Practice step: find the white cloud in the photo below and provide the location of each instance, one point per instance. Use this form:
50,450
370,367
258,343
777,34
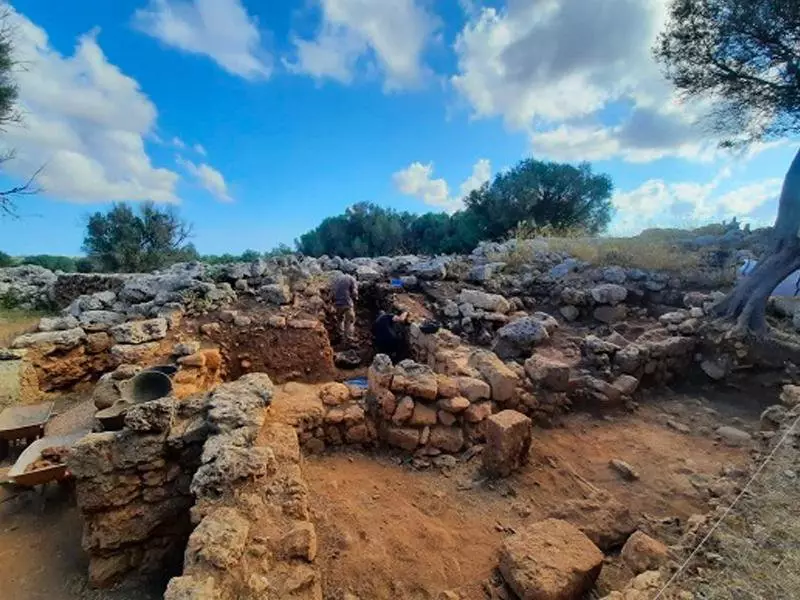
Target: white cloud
200,149
551,66
219,29
355,33
417,180
208,177
481,173
657,203
178,143
85,121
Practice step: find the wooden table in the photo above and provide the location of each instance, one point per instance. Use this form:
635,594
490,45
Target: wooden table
23,422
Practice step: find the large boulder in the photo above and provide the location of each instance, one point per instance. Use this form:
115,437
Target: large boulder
602,518
485,301
550,560
520,337
100,320
609,293
140,332
415,379
64,339
547,371
502,380
435,268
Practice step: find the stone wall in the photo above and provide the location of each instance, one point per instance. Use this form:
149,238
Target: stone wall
133,488
253,538
69,286
209,483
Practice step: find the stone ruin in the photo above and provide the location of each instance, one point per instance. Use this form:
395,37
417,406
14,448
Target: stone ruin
208,482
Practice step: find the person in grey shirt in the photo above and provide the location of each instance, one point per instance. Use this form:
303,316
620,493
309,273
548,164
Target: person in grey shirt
345,294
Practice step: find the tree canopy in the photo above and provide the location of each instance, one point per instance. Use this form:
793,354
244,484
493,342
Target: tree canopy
743,56
535,193
542,194
122,240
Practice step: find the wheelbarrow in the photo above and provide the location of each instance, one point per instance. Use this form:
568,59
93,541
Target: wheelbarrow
18,473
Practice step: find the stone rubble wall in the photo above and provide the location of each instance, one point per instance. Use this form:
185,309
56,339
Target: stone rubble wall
208,483
133,488
253,536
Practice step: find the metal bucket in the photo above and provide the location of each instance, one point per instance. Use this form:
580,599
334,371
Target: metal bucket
149,385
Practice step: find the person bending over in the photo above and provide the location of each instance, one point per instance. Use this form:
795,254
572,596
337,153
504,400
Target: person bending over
389,335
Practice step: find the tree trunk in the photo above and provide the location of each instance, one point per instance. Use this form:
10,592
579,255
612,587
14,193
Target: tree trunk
747,303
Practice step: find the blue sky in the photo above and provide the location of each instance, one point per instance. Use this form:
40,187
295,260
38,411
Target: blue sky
259,119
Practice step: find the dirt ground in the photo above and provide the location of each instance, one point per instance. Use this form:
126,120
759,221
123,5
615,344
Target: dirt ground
388,531
40,530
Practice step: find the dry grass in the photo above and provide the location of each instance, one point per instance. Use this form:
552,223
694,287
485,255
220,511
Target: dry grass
755,553
636,252
16,322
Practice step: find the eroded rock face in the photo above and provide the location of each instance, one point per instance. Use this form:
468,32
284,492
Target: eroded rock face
550,560
219,540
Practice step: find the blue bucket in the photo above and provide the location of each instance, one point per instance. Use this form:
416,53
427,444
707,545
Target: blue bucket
357,382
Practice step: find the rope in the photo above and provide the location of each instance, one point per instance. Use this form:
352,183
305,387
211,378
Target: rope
727,511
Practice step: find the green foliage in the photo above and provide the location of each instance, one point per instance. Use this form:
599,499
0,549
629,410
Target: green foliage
250,255
743,56
8,85
84,265
6,260
54,263
124,241
543,194
533,193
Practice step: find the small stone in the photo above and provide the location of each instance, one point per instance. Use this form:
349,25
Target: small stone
474,389
210,329
626,384
334,394
446,418
624,469
404,410
449,439
569,312
242,321
478,412
185,348
454,405
678,426
405,438
422,415
733,436
300,542
643,553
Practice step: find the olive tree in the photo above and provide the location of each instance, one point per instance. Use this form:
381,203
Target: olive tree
743,58
9,112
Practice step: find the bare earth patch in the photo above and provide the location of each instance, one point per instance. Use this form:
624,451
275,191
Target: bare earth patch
387,531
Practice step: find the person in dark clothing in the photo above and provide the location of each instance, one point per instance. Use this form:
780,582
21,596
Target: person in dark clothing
389,335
